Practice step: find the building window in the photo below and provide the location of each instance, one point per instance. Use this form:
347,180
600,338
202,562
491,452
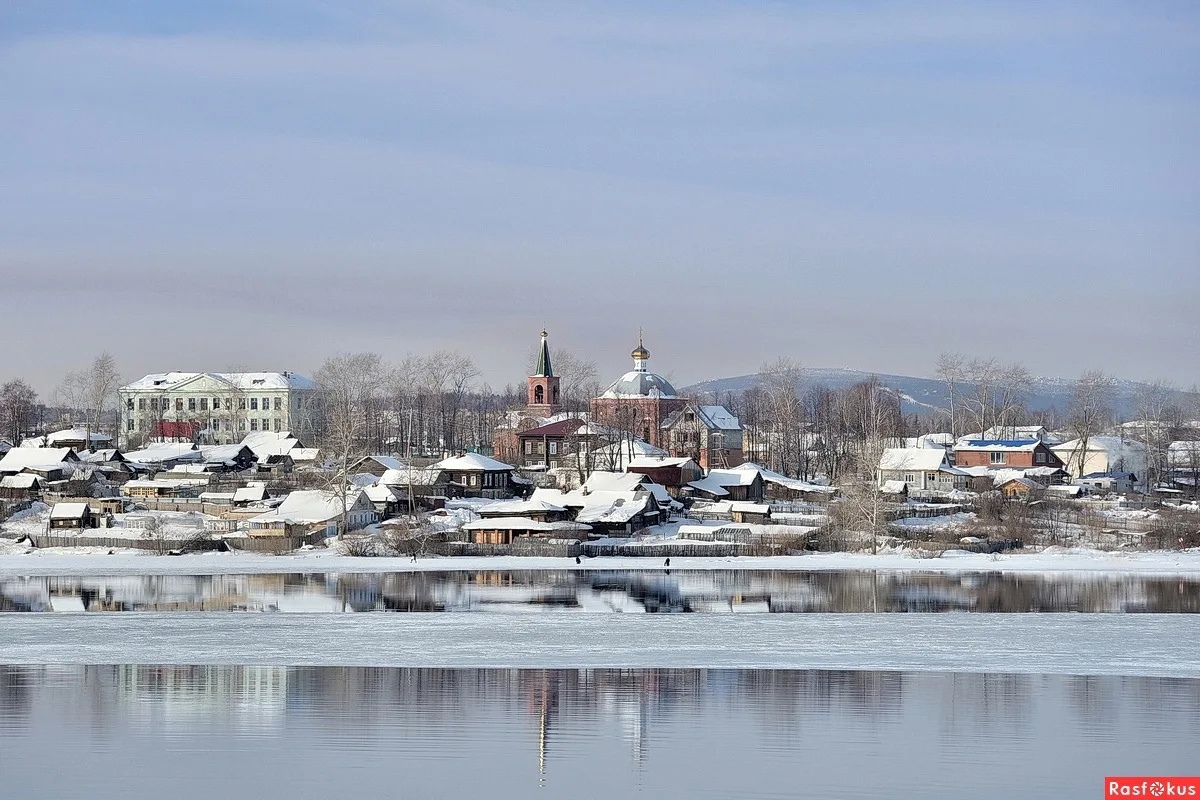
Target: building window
554,448
242,403
254,424
997,458
278,424
528,447
254,404
278,403
179,404
129,404
1039,457
204,404
141,404
191,404
228,404
215,424
129,425
266,423
154,404
241,424
266,403
910,478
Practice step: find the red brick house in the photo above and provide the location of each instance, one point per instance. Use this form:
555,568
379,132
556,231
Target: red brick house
1009,453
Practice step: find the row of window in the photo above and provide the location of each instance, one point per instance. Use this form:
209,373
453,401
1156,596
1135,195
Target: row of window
1001,458
202,404
255,424
539,448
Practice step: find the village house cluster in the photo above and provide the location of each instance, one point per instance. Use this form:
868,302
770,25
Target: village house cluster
235,460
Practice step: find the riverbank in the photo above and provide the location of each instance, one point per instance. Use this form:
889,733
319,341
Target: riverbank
18,560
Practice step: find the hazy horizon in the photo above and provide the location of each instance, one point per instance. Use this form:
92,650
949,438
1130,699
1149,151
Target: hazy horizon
266,184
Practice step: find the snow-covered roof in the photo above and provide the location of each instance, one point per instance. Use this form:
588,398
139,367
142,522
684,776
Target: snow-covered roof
519,508
168,381
181,451
57,438
381,493
1100,444
22,481
472,462
999,445
639,383
655,462
917,459
160,483
250,494
794,484
411,476
387,462
601,481
750,508
223,453
712,417
613,507
1028,483
309,506
69,511
523,524
265,444
19,459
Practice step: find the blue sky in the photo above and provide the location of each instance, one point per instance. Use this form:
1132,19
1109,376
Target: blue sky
863,185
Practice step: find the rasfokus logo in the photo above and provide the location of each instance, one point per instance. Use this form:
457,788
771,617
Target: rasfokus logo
1147,786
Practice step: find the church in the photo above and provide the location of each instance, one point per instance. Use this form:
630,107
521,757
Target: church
640,404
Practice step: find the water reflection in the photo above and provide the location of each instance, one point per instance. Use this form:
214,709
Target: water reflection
710,591
129,730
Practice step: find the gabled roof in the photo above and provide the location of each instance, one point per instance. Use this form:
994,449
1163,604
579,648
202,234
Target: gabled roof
69,511
181,451
917,459
57,438
473,462
998,445
20,459
563,427
310,506
517,508
411,476
387,462
795,484
170,381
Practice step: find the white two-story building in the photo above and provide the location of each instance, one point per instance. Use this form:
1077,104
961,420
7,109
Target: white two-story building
213,407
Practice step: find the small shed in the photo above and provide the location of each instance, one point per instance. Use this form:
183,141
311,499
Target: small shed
68,516
754,513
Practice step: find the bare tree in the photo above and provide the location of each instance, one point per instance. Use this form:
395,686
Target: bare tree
18,409
951,368
1157,421
1090,412
784,423
92,391
995,393
346,391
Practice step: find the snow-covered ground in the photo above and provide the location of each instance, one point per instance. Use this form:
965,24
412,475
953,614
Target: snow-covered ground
93,561
1092,644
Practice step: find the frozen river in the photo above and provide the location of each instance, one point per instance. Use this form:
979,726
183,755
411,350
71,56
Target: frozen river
317,732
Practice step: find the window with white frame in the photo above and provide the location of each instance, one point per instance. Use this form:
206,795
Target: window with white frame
997,458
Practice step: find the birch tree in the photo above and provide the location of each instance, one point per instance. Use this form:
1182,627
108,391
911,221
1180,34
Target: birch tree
346,389
1090,412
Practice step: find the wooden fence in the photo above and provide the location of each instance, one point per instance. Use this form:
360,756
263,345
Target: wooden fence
135,542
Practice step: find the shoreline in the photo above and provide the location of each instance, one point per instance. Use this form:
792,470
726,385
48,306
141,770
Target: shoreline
46,562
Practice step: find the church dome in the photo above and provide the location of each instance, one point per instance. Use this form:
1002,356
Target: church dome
639,383
640,353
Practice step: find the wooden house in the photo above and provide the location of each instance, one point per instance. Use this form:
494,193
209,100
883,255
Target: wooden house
72,516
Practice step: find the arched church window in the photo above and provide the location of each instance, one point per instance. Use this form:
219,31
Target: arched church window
538,394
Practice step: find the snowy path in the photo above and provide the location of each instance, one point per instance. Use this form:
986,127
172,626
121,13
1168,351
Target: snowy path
1141,644
56,562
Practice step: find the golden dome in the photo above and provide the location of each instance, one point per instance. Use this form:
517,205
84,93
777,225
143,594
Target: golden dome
640,353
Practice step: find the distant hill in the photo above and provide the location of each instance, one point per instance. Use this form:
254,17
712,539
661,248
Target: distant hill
919,395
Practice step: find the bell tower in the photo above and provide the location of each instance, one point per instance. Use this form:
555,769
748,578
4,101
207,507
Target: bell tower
543,398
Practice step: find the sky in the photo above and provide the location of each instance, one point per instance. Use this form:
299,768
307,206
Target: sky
204,185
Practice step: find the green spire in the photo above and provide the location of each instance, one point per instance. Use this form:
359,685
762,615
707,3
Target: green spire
543,369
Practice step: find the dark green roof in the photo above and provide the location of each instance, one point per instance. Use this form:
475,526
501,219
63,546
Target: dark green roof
543,369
